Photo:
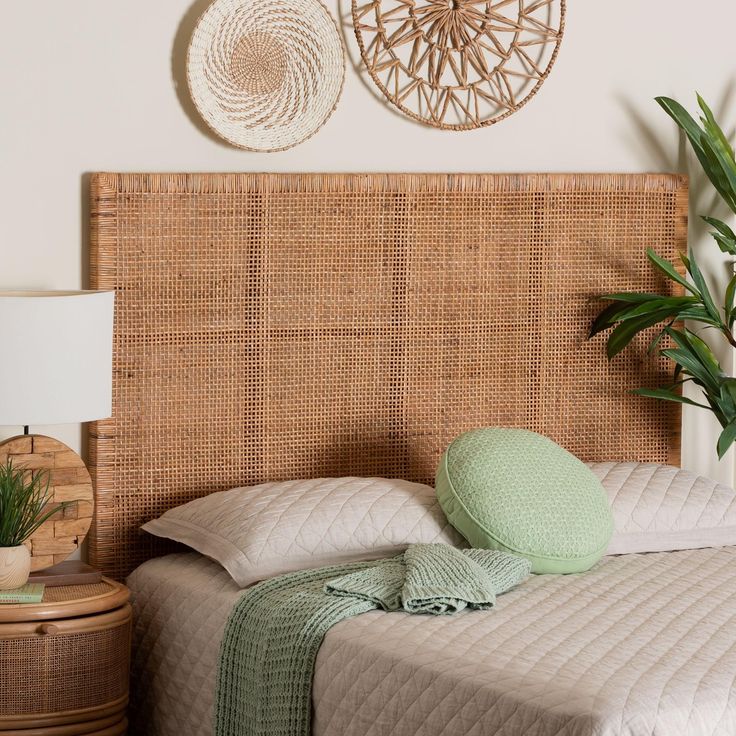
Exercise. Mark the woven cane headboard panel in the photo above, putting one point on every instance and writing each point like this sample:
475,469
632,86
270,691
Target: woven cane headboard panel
283,326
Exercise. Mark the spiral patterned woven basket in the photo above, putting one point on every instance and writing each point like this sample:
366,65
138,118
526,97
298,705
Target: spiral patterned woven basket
266,74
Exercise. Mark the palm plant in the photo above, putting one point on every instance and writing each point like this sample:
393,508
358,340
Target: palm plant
23,503
631,313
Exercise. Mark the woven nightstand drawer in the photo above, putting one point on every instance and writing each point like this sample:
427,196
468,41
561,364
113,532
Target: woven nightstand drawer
66,675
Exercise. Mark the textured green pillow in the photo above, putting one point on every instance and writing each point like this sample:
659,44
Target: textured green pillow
514,490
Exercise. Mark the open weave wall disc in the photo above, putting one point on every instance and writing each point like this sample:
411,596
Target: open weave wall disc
266,74
459,64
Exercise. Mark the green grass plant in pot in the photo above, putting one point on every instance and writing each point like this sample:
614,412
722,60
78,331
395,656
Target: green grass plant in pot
24,499
632,313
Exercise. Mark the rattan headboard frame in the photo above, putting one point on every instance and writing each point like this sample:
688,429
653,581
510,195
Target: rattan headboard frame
277,326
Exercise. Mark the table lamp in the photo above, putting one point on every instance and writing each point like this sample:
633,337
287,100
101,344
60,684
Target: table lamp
55,368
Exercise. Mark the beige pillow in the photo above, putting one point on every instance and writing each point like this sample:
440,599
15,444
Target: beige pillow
266,530
658,508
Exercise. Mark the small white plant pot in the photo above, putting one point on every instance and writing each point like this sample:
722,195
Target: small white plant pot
15,567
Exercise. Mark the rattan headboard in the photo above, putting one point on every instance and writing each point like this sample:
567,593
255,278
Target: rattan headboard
282,326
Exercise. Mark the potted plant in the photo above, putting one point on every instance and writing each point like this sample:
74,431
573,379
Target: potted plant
632,313
24,497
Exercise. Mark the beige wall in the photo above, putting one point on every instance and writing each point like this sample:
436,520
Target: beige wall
87,85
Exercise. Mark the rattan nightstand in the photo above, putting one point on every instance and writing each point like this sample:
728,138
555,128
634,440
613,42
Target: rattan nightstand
64,662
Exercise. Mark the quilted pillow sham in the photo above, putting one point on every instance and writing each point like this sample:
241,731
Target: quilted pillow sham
274,528
660,508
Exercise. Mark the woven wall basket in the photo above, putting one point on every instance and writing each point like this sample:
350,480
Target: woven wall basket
458,64
266,74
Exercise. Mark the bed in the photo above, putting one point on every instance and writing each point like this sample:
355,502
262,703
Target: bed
642,644
271,327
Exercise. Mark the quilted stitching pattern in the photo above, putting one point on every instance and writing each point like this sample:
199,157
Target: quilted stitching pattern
660,507
640,645
180,606
273,528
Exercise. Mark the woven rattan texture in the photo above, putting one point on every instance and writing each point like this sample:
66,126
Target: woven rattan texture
48,674
59,593
290,326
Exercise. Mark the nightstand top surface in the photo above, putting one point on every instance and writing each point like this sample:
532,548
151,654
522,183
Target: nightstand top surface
68,601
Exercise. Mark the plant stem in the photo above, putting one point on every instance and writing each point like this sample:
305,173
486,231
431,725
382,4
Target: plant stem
729,336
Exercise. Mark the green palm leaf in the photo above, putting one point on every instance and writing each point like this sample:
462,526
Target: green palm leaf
627,330
714,130
702,287
699,139
723,169
723,235
628,314
667,395
670,271
726,438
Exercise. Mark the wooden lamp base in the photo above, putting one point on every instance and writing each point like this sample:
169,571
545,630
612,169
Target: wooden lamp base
69,480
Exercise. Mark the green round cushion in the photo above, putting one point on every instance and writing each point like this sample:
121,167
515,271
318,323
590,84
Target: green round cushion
514,490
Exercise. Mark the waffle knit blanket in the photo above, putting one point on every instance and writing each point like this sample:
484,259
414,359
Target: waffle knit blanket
274,631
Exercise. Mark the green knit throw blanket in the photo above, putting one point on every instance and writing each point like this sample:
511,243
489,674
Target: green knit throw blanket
271,639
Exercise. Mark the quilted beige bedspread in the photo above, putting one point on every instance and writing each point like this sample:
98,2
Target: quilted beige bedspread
641,644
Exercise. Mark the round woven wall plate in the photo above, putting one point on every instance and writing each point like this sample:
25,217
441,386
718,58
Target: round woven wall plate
69,480
458,64
265,74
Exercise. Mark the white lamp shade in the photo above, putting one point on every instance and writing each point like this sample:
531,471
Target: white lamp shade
55,356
